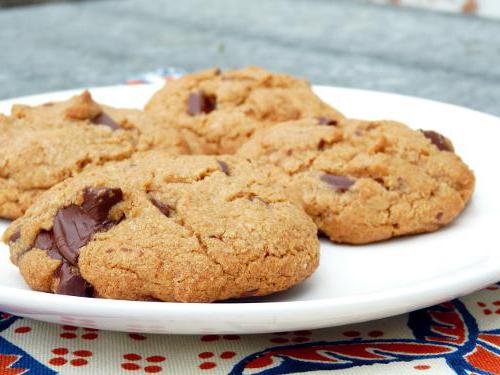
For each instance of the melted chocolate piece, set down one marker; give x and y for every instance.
(327, 121)
(45, 241)
(339, 183)
(54, 254)
(75, 225)
(439, 216)
(15, 236)
(98, 202)
(224, 167)
(164, 209)
(104, 119)
(71, 283)
(199, 102)
(73, 228)
(438, 140)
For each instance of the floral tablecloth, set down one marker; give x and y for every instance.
(456, 337)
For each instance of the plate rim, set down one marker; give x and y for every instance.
(490, 276)
(315, 87)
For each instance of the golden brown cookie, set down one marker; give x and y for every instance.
(218, 111)
(187, 228)
(366, 181)
(43, 145)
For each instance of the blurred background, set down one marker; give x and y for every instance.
(446, 50)
(486, 8)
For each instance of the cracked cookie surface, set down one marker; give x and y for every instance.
(155, 227)
(43, 145)
(366, 181)
(218, 111)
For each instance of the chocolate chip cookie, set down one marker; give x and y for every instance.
(43, 145)
(366, 181)
(154, 227)
(218, 111)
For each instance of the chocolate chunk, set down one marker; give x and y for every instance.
(338, 183)
(74, 225)
(224, 167)
(164, 209)
(71, 283)
(54, 254)
(73, 228)
(438, 140)
(439, 216)
(199, 102)
(104, 119)
(98, 201)
(15, 236)
(45, 241)
(327, 121)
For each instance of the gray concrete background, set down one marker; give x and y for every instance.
(349, 43)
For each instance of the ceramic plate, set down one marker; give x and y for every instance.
(352, 284)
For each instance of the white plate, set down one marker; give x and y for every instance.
(353, 284)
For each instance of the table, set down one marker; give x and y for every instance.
(345, 43)
(349, 43)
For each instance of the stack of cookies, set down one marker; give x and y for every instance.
(217, 190)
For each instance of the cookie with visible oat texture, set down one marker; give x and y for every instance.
(366, 181)
(186, 228)
(43, 145)
(218, 111)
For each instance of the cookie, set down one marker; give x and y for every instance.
(43, 145)
(218, 111)
(186, 228)
(367, 181)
